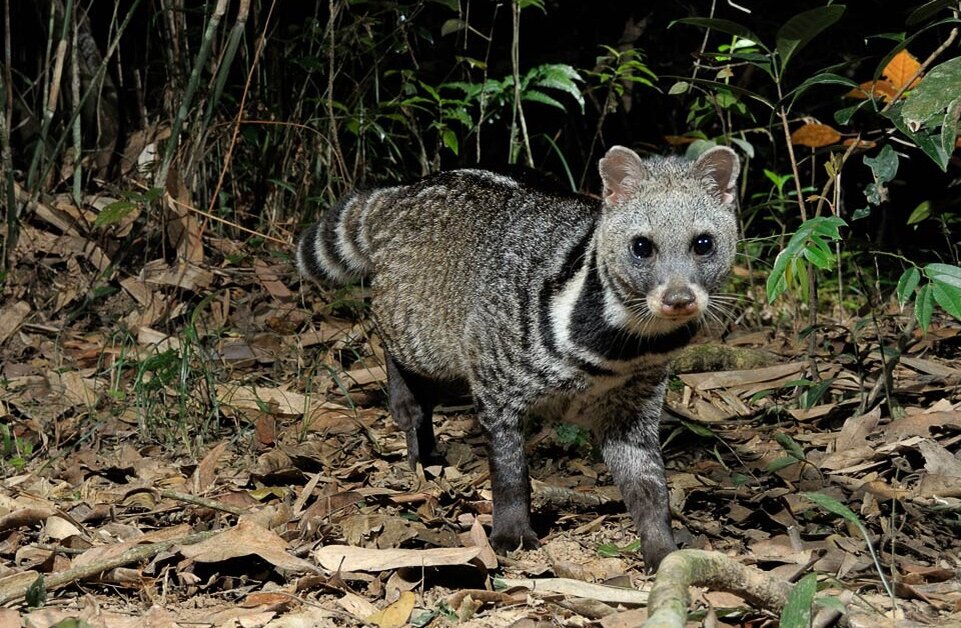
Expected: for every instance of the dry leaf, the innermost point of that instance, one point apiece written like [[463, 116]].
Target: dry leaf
[[815, 135], [566, 586], [11, 317], [246, 539], [349, 558], [261, 398], [204, 474], [885, 90], [861, 144], [902, 69], [397, 614]]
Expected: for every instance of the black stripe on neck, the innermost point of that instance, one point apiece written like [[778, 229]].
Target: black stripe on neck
[[573, 262], [590, 330]]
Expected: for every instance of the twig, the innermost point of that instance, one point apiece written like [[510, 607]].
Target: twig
[[18, 589], [202, 501]]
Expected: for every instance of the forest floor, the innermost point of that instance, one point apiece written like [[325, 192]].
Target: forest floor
[[205, 443]]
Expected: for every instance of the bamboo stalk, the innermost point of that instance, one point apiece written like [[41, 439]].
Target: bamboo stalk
[[173, 143]]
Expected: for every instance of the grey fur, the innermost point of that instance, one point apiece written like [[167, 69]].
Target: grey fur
[[536, 300]]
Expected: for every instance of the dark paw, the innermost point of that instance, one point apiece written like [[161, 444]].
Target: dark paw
[[506, 541], [655, 552]]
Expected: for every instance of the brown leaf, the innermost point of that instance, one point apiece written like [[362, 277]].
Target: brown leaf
[[861, 144], [885, 90], [270, 280], [11, 317], [204, 475], [901, 69], [349, 558], [397, 614], [815, 135], [246, 539]]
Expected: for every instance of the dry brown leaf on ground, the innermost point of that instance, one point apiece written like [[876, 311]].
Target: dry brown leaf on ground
[[567, 586], [181, 274], [11, 317], [396, 614], [261, 398], [204, 475], [350, 558], [769, 375], [270, 280], [246, 539]]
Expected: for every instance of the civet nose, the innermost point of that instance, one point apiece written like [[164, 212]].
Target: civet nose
[[678, 301]]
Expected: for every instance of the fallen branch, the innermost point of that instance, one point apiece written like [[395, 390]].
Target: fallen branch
[[16, 589], [683, 569]]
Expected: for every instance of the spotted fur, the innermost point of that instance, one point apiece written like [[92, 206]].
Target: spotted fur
[[539, 301]]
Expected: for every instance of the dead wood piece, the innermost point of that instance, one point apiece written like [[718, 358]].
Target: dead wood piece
[[680, 570], [561, 496], [18, 588]]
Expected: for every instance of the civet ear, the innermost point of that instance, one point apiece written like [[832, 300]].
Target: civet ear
[[622, 172], [721, 166]]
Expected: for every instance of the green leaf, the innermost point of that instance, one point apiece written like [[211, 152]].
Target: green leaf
[[532, 95], [113, 213], [921, 212], [832, 602], [925, 11], [725, 26], [924, 306], [825, 78], [797, 611], [780, 463], [930, 142], [452, 25], [944, 273], [36, 594], [930, 99], [884, 165], [948, 297], [698, 429], [679, 87], [909, 280], [798, 31], [790, 445], [832, 505], [450, 140]]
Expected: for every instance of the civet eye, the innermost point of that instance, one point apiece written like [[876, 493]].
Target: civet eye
[[703, 244], [642, 248]]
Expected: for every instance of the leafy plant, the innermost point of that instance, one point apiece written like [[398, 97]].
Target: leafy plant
[[810, 243]]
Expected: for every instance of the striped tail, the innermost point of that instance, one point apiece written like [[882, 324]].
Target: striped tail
[[335, 250]]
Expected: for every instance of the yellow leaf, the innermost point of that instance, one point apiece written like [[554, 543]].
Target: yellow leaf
[[815, 135], [901, 69], [397, 614]]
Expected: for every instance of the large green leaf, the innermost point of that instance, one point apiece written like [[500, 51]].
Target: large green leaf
[[924, 306], [929, 101], [930, 142], [725, 26], [944, 273], [825, 78], [906, 285], [797, 612], [948, 297], [798, 31]]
